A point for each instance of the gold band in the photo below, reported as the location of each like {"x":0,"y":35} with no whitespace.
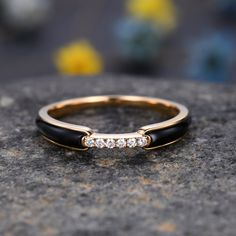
{"x":48,"y":122}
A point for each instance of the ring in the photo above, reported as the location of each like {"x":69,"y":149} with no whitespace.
{"x":79,"y":137}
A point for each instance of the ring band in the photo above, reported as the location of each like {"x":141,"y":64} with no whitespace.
{"x":79,"y":137}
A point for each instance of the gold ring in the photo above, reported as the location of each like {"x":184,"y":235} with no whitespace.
{"x":79,"y":137}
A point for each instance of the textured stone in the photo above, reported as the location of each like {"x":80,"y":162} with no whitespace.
{"x":185,"y":189}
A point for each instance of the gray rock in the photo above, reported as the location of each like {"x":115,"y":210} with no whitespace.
{"x":185,"y":189}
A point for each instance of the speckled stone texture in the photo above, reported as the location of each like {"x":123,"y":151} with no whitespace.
{"x":185,"y":189}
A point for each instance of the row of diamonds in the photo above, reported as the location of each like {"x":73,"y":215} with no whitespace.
{"x":119,"y":143}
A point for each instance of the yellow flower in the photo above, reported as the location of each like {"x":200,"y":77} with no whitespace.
{"x":160,"y":12}
{"x":78,"y":58}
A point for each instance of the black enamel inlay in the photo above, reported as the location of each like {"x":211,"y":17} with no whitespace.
{"x":61,"y":135}
{"x":168,"y":135}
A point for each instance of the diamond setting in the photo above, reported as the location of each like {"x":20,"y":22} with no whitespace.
{"x":131,"y":142}
{"x":89,"y":142}
{"x":121,"y":142}
{"x":110,"y":143}
{"x":142,"y":141}
{"x":100,"y":143}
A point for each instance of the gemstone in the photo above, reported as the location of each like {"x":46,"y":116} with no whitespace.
{"x":121,"y":143}
{"x":131,"y":142}
{"x":89,"y":142}
{"x":100,"y":143}
{"x":110,"y":143}
{"x":142,"y":141}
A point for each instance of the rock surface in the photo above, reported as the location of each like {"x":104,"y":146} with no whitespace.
{"x":185,"y":189}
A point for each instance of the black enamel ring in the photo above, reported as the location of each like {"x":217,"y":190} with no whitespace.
{"x":80,"y":137}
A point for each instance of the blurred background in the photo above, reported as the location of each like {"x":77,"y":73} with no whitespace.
{"x":156,"y":38}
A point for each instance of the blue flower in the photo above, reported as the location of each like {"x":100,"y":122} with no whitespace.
{"x":211,"y":59}
{"x":138,"y":40}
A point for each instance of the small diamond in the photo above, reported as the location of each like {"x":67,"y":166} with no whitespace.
{"x":110,"y":143}
{"x":89,"y":142}
{"x":131,"y":142}
{"x":142,"y":141}
{"x":121,"y":143}
{"x":100,"y":143}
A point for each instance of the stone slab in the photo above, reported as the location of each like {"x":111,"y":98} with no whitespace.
{"x":185,"y":189}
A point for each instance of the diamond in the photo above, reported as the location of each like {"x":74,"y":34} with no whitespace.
{"x":121,"y":143}
{"x":110,"y":143}
{"x":100,"y":143}
{"x":131,"y":142}
{"x":89,"y":142}
{"x":142,"y":141}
